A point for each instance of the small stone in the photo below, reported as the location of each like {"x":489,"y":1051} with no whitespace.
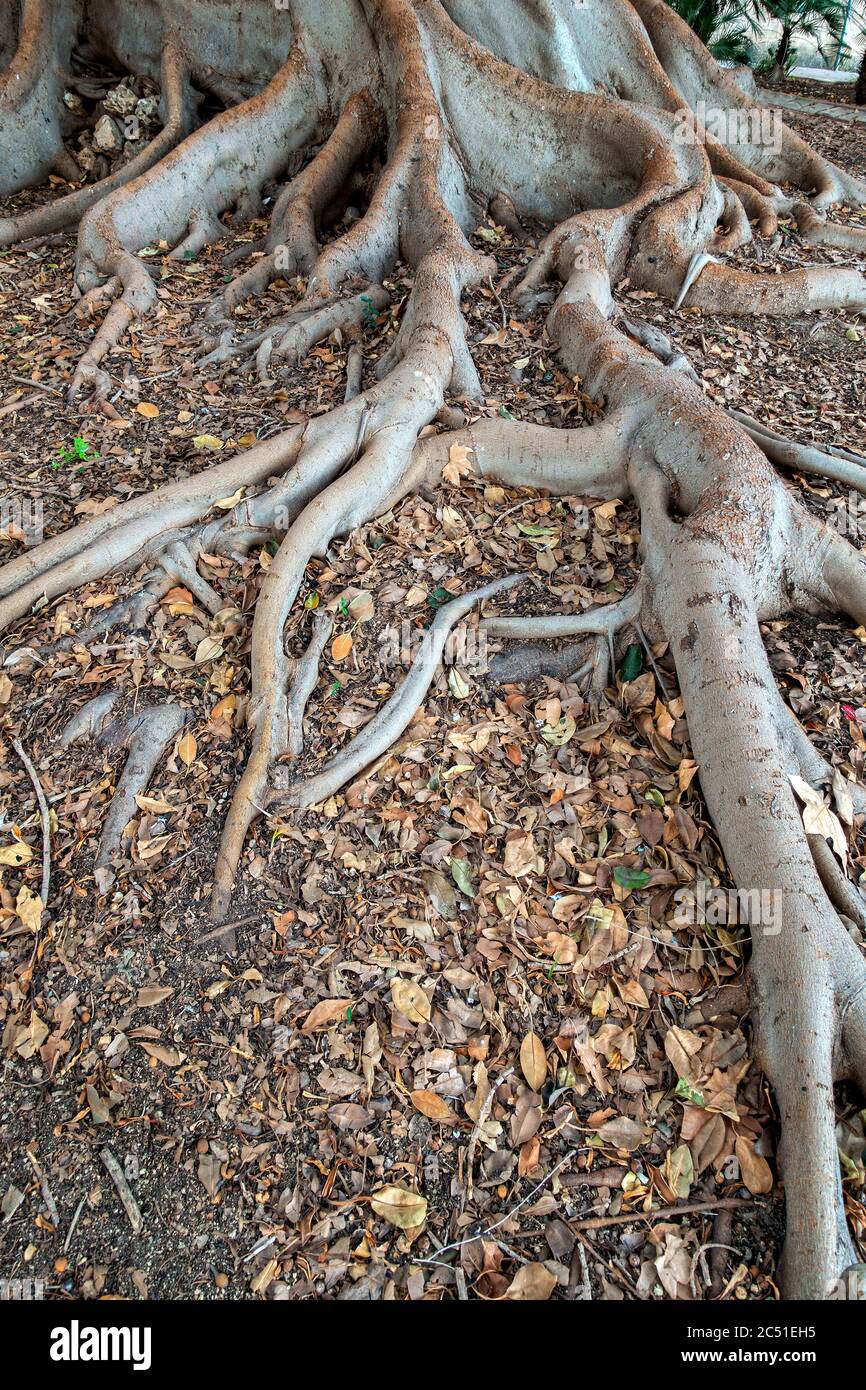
{"x":107,"y":136}
{"x":11,"y":1201}
{"x":86,"y":159}
{"x":72,"y":101}
{"x":147,"y":110}
{"x":121,"y":101}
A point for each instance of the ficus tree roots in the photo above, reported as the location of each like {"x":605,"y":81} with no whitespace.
{"x":575,"y":114}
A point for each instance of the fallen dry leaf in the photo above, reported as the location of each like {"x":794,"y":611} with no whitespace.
{"x":532,"y":1283}
{"x":400,"y":1207}
{"x":410,"y":1000}
{"x":533,"y":1062}
{"x":326,"y":1012}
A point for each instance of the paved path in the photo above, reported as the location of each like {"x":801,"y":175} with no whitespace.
{"x":814,"y":106}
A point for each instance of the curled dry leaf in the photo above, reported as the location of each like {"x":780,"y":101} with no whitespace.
{"x":29,"y":907}
{"x":818,"y":819}
{"x":362,"y":607}
{"x":341,"y":646}
{"x":755,"y":1170}
{"x":225,"y":504}
{"x":623,"y":1133}
{"x":187,"y":749}
{"x":157,"y":994}
{"x":208,"y":649}
{"x":410,"y":1000}
{"x":459,"y":464}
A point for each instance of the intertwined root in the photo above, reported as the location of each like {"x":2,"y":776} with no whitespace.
{"x":724,"y":544}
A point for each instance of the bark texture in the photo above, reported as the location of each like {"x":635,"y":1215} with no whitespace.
{"x":581,"y":115}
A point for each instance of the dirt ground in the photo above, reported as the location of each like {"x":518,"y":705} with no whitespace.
{"x":459,"y":1005}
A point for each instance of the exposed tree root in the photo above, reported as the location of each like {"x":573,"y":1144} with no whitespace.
{"x":144,"y":735}
{"x":819,"y":232}
{"x":397,"y":713}
{"x":94,"y":548}
{"x":723,"y":289}
{"x":177,"y":117}
{"x":598,"y":139}
{"x":31,"y":91}
{"x":600,"y":622}
{"x":659,"y":345}
{"x":292,"y":245}
{"x":838,"y":887}
{"x":849,"y":471}
{"x":179,"y":200}
{"x":294,"y":336}
{"x":305,"y":673}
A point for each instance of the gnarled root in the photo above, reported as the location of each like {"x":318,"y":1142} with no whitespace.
{"x":293,"y":336}
{"x":802,"y":956}
{"x":385,"y":728}
{"x":31,"y":90}
{"x":179,"y":200}
{"x":92,"y":549}
{"x":725,"y":544}
{"x":177,"y":119}
{"x":819,"y":232}
{"x":144,"y":735}
{"x":292,"y":244}
{"x":603,"y":623}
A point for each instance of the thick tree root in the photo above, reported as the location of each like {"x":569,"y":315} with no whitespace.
{"x":31,"y":90}
{"x":179,"y":200}
{"x":292,"y":245}
{"x":177,"y":119}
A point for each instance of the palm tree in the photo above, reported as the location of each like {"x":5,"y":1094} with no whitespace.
{"x":801,"y":17}
{"x":860,"y":93}
{"x":725,"y":26}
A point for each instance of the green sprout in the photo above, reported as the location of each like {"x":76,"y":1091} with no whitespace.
{"x":81,"y":451}
{"x":371,"y":313}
